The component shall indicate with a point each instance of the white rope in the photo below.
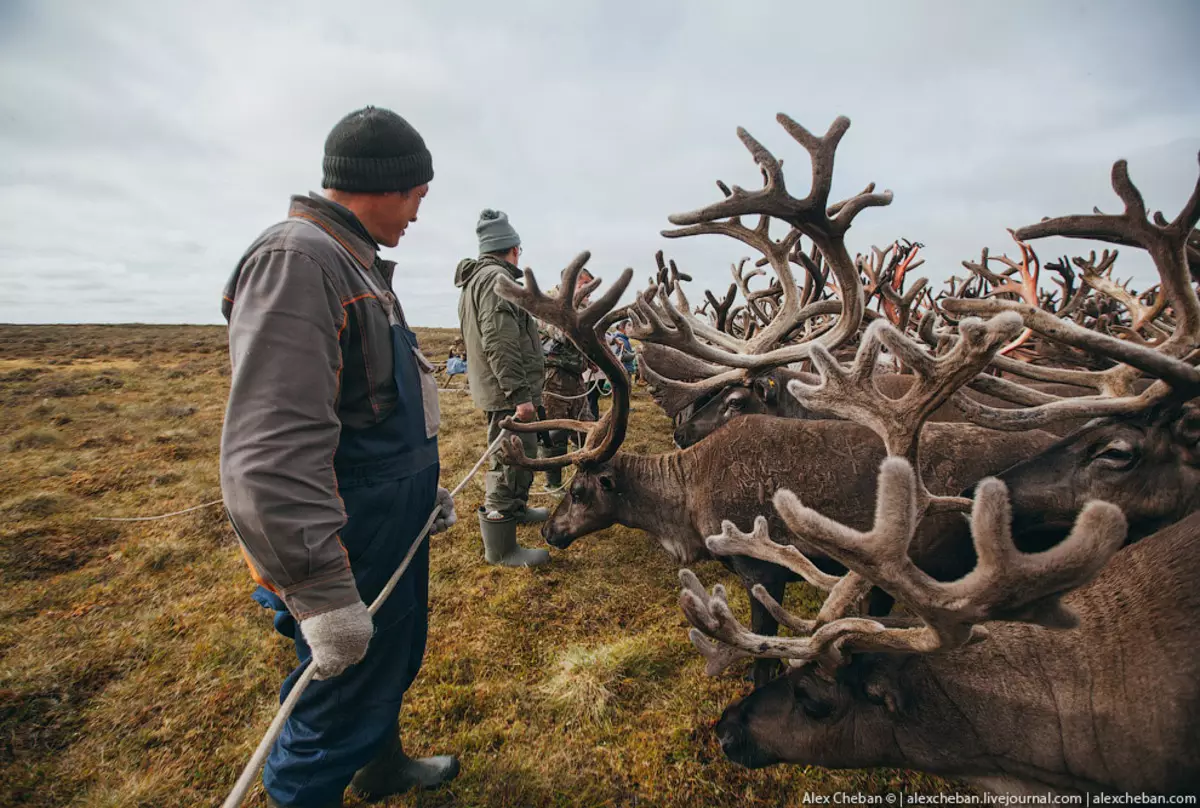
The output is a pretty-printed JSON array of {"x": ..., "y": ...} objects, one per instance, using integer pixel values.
[
  {"x": 152, "y": 518},
  {"x": 587, "y": 393},
  {"x": 246, "y": 780}
]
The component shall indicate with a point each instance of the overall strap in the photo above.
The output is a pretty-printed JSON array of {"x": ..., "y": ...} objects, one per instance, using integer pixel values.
[{"x": 391, "y": 305}]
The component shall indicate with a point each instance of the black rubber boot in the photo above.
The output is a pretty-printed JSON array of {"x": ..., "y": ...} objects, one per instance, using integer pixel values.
[
  {"x": 393, "y": 772},
  {"x": 500, "y": 543}
]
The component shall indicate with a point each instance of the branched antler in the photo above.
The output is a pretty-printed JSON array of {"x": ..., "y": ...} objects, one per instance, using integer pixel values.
[
  {"x": 1172, "y": 360},
  {"x": 850, "y": 392},
  {"x": 580, "y": 326},
  {"x": 1006, "y": 584},
  {"x": 657, "y": 320}
]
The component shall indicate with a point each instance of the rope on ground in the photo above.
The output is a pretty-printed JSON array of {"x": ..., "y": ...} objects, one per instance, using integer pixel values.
[
  {"x": 152, "y": 518},
  {"x": 246, "y": 780}
]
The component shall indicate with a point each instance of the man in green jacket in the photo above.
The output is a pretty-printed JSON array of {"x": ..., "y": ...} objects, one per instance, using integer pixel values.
[{"x": 505, "y": 369}]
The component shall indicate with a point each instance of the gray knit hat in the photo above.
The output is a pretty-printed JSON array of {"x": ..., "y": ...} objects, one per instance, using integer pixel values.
[
  {"x": 495, "y": 233},
  {"x": 374, "y": 150}
]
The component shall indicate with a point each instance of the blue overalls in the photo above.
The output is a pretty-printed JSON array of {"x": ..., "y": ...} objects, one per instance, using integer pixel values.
[{"x": 387, "y": 477}]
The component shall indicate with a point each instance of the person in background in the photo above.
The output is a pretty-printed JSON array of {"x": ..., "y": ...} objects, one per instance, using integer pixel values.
[
  {"x": 564, "y": 390},
  {"x": 504, "y": 371},
  {"x": 329, "y": 463},
  {"x": 623, "y": 349}
]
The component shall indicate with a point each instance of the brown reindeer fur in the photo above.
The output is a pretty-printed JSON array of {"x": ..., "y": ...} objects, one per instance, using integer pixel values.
[{"x": 1111, "y": 705}]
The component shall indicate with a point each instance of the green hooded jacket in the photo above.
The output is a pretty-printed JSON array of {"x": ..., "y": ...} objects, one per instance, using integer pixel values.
[{"x": 504, "y": 355}]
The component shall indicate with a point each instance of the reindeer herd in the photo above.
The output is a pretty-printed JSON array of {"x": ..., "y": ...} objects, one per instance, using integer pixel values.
[{"x": 996, "y": 485}]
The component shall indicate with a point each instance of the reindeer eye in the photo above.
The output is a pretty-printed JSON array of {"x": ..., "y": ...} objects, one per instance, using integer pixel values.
[
  {"x": 1118, "y": 454},
  {"x": 814, "y": 708}
]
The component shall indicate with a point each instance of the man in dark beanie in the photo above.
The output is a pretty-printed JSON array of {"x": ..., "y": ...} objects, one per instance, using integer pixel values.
[
  {"x": 504, "y": 368},
  {"x": 329, "y": 462}
]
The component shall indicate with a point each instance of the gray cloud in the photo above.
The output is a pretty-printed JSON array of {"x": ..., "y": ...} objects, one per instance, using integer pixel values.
[{"x": 145, "y": 148}]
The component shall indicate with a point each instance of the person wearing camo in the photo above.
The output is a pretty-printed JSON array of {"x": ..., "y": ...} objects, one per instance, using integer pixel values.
[{"x": 564, "y": 392}]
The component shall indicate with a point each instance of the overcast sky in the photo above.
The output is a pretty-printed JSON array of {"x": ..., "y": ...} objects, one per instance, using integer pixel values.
[{"x": 143, "y": 145}]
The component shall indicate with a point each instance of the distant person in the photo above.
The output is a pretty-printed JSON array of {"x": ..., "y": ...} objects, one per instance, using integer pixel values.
[
  {"x": 623, "y": 348},
  {"x": 564, "y": 390},
  {"x": 329, "y": 462},
  {"x": 504, "y": 372}
]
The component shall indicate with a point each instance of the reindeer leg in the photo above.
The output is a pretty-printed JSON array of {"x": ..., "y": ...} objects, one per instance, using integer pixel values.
[{"x": 763, "y": 623}]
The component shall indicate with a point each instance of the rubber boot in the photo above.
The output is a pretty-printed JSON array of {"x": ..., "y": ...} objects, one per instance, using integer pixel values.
[
  {"x": 393, "y": 772},
  {"x": 553, "y": 476},
  {"x": 532, "y": 516},
  {"x": 500, "y": 543}
]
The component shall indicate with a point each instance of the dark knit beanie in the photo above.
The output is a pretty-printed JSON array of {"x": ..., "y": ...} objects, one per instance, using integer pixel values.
[{"x": 374, "y": 150}]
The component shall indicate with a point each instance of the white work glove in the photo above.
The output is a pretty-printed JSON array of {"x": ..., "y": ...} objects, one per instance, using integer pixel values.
[
  {"x": 338, "y": 639},
  {"x": 447, "y": 517}
]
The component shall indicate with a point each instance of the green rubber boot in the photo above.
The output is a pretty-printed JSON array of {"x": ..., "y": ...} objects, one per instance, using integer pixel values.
[
  {"x": 393, "y": 772},
  {"x": 500, "y": 543},
  {"x": 553, "y": 476},
  {"x": 532, "y": 516}
]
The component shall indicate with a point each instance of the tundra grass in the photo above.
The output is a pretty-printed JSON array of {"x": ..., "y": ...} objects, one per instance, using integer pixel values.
[{"x": 136, "y": 671}]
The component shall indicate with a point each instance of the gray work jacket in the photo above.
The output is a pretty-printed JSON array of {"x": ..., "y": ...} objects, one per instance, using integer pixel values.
[{"x": 310, "y": 348}]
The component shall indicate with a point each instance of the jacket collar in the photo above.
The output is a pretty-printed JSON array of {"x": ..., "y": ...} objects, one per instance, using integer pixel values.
[
  {"x": 512, "y": 269},
  {"x": 340, "y": 223}
]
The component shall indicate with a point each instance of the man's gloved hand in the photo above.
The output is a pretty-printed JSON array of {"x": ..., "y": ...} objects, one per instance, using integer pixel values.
[
  {"x": 338, "y": 638},
  {"x": 447, "y": 517}
]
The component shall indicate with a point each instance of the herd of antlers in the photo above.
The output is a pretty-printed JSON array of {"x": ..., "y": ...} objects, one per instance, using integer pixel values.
[{"x": 1093, "y": 332}]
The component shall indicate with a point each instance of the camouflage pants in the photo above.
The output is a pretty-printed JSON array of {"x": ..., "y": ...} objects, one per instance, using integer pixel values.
[
  {"x": 565, "y": 396},
  {"x": 507, "y": 487}
]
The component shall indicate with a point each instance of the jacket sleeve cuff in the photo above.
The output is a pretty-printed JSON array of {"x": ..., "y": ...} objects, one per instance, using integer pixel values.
[
  {"x": 520, "y": 396},
  {"x": 324, "y": 594}
]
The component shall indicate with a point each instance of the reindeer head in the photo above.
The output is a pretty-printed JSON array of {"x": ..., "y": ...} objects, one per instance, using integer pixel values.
[
  {"x": 845, "y": 699},
  {"x": 590, "y": 503},
  {"x": 1146, "y": 463}
]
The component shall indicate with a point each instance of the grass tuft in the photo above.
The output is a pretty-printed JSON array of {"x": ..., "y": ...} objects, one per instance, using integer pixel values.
[
  {"x": 589, "y": 679},
  {"x": 34, "y": 439}
]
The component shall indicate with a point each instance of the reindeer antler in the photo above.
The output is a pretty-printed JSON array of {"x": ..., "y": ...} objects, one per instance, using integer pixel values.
[
  {"x": 656, "y": 320},
  {"x": 1006, "y": 584},
  {"x": 580, "y": 326},
  {"x": 1172, "y": 360}
]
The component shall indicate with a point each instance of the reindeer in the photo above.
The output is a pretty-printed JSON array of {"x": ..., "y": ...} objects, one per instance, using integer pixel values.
[
  {"x": 1023, "y": 705},
  {"x": 1162, "y": 441},
  {"x": 766, "y": 392},
  {"x": 681, "y": 497},
  {"x": 1013, "y": 706}
]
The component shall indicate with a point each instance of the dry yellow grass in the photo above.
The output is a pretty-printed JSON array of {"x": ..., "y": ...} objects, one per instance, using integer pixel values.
[{"x": 136, "y": 671}]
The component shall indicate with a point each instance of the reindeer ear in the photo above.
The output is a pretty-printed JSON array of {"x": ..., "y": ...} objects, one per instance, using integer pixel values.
[
  {"x": 607, "y": 482},
  {"x": 767, "y": 389},
  {"x": 1187, "y": 428},
  {"x": 880, "y": 688}
]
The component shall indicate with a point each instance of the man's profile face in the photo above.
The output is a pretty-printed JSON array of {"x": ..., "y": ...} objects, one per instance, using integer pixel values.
[
  {"x": 585, "y": 278},
  {"x": 395, "y": 212}
]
